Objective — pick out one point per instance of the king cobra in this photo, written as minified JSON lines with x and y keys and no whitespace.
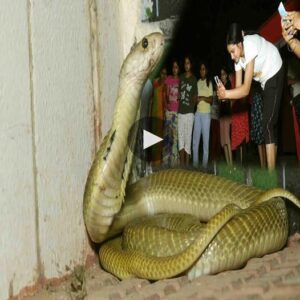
{"x":238,"y":221}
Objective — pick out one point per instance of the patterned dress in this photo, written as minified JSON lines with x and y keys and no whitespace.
{"x":170,"y":150}
{"x":157,"y":113}
{"x":256,"y":131}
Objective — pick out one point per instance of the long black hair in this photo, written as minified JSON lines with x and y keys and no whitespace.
{"x":207,"y":72}
{"x":172,"y":62}
{"x":228,"y":82}
{"x":234,"y":34}
{"x":191,"y":59}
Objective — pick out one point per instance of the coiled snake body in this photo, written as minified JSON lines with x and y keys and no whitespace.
{"x":241,"y":221}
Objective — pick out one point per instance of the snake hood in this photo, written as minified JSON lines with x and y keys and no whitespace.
{"x":142,"y":58}
{"x":106,"y":182}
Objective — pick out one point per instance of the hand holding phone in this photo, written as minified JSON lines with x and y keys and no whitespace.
{"x":221,"y":89}
{"x":286,"y":22}
{"x":217,"y":81}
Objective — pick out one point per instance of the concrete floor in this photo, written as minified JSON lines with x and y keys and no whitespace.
{"x":274,"y":276}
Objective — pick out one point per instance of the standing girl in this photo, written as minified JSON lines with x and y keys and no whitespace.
{"x":158,"y":113}
{"x":170,"y":151}
{"x":187,"y":99}
{"x":261,"y":61}
{"x":202,"y":117}
{"x":225,"y":119}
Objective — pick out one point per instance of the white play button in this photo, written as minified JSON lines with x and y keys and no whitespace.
{"x":150,"y":139}
{"x":145,"y":139}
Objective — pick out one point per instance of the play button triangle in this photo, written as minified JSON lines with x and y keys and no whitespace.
{"x":150,"y":139}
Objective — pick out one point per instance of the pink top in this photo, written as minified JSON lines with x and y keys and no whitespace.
{"x":173,"y":93}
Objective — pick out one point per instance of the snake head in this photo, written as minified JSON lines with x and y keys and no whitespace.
{"x":143,"y":57}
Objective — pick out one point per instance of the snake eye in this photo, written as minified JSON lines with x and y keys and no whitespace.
{"x":145,"y":43}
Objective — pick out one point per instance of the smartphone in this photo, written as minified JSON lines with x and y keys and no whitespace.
{"x":282,"y":11}
{"x":217,"y":80}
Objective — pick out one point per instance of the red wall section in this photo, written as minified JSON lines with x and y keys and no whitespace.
{"x":271,"y":29}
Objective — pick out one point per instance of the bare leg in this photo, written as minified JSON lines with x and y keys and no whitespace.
{"x":241,"y":153}
{"x":187,"y":159}
{"x":262,"y":155}
{"x":182,"y":157}
{"x":271,"y":156}
{"x":229,"y":154}
{"x":226,"y":153}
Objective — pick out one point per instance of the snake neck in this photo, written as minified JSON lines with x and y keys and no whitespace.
{"x":126,"y":114}
{"x":110,"y":171}
{"x":126,"y":109}
{"x":105,"y":186}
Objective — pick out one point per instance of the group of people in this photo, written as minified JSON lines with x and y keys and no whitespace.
{"x":185,"y":103}
{"x":175,"y":99}
{"x":189,"y":107}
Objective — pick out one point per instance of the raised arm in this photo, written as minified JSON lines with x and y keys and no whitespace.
{"x":238,"y":78}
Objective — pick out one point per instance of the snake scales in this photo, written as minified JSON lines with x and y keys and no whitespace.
{"x":241,"y":221}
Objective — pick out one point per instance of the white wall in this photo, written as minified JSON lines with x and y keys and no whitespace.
{"x":63,"y":122}
{"x":46,"y":139}
{"x":18,"y":255}
{"x":47,"y":142}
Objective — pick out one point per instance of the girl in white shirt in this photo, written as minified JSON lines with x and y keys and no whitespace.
{"x":260,"y":61}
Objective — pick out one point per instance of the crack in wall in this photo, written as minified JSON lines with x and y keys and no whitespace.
{"x":40,"y":268}
{"x":94,"y":48}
